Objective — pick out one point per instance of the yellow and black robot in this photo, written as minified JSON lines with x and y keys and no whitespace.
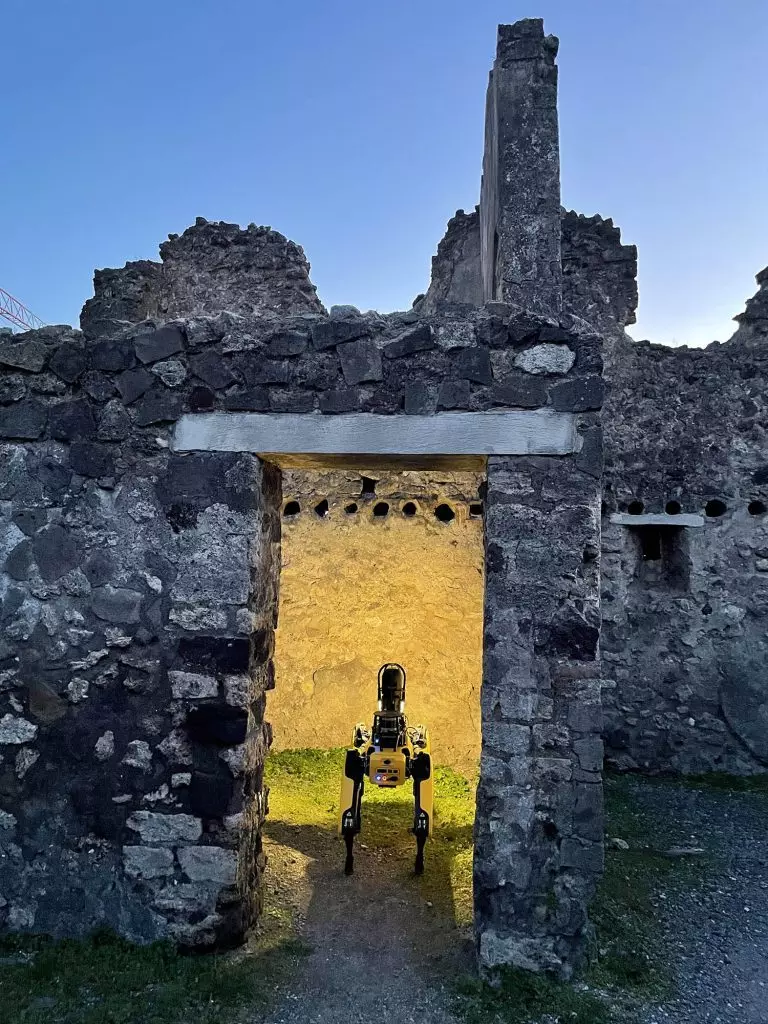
{"x":387,"y":755}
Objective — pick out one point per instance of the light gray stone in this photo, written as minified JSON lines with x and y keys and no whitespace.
{"x":147,"y":861}
{"x":165,"y":829}
{"x":116,"y":604}
{"x":16,"y":730}
{"x":104,"y":747}
{"x":138,"y":755}
{"x":208,"y":864}
{"x":192,"y":686}
{"x":546,"y":358}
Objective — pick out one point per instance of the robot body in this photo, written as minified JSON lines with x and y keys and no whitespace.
{"x":387,"y":755}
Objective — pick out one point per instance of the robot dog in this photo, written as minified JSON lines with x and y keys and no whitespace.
{"x":387,"y":755}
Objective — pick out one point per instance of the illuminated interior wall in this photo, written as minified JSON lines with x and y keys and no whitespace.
{"x":359,"y":588}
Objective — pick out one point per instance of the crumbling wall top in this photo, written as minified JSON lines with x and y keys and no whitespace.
{"x":212,"y":266}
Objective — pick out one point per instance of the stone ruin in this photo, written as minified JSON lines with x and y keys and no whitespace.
{"x":140,"y":531}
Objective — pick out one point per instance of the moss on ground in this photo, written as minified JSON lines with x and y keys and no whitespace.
{"x":105,"y":980}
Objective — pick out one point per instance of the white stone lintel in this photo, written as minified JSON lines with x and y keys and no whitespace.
{"x":656,"y":519}
{"x":514,"y":432}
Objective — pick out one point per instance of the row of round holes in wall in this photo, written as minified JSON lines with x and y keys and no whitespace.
{"x":444,"y":513}
{"x":713,"y":509}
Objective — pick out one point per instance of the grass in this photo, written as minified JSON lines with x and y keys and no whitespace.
{"x":304,"y":793}
{"x":106,"y":980}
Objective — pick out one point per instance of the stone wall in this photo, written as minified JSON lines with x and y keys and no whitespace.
{"x":538,"y":831}
{"x":390,"y":569}
{"x":212,"y":266}
{"x":520,"y":188}
{"x":456,"y":274}
{"x":139,"y":595}
{"x":684,"y":611}
{"x":599,"y":273}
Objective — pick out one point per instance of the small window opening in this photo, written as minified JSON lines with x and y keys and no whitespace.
{"x":292,"y":508}
{"x":673,"y":508}
{"x":650,"y":543}
{"x":715,"y":508}
{"x":368,"y":489}
{"x":351,"y":508}
{"x":476,"y":510}
{"x":380,"y":509}
{"x":663,"y":559}
{"x":444,"y":513}
{"x":409,"y":509}
{"x":635,"y":508}
{"x":756,"y":508}
{"x":322,"y":509}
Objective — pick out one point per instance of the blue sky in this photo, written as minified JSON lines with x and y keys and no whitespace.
{"x":355,"y":128}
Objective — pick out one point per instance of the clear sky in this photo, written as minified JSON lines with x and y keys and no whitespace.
{"x":355,"y":128}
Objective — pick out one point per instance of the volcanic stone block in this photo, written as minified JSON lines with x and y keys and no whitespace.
{"x":158,"y":405}
{"x":248,"y":400}
{"x":287,"y":343}
{"x":19,"y":561}
{"x":23,"y":421}
{"x":360,"y":361}
{"x":91,"y":460}
{"x":217,"y":724}
{"x":546,"y":358}
{"x":99,"y":386}
{"x":210,"y":793}
{"x":522,"y":392}
{"x":165,"y":829}
{"x":55,"y":551}
{"x":147,"y":861}
{"x":453,"y":394}
{"x":114,"y":422}
{"x":116,"y":604}
{"x":30,"y":520}
{"x":419,"y":339}
{"x":420,"y":400}
{"x":578,"y":395}
{"x":133,"y":383}
{"x":212,"y":370}
{"x":208,"y":864}
{"x":153,"y":346}
{"x":224,"y":654}
{"x":112,"y":356}
{"x":24,"y":355}
{"x":72,"y":421}
{"x":345,"y":400}
{"x":473,"y":364}
{"x":69,"y":362}
{"x":192,"y":686}
{"x":329,"y":333}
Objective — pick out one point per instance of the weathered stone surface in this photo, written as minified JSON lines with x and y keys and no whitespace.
{"x":546,"y":358}
{"x":132,"y":384}
{"x":330,"y":333}
{"x":15,"y":730}
{"x":55,"y":551}
{"x":208,"y":864}
{"x":578,"y":395}
{"x":72,"y":421}
{"x":25,"y":420}
{"x":147,"y":861}
{"x":165,"y":829}
{"x":418,"y":339}
{"x":360,"y":361}
{"x":152,"y":346}
{"x":192,"y":686}
{"x":24,"y":354}
{"x":116,"y":604}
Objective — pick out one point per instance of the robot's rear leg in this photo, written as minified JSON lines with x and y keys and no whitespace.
{"x":351,"y":804}
{"x":423,"y":798}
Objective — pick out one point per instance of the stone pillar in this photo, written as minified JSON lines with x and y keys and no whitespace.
{"x":539,"y":824}
{"x":520,"y":193}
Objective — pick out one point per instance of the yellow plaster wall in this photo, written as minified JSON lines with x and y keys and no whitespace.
{"x":356,"y":592}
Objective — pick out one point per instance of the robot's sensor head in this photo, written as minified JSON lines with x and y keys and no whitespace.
{"x":391,"y":687}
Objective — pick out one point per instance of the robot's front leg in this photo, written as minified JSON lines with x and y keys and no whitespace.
{"x":423,"y":797}
{"x":350,"y":820}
